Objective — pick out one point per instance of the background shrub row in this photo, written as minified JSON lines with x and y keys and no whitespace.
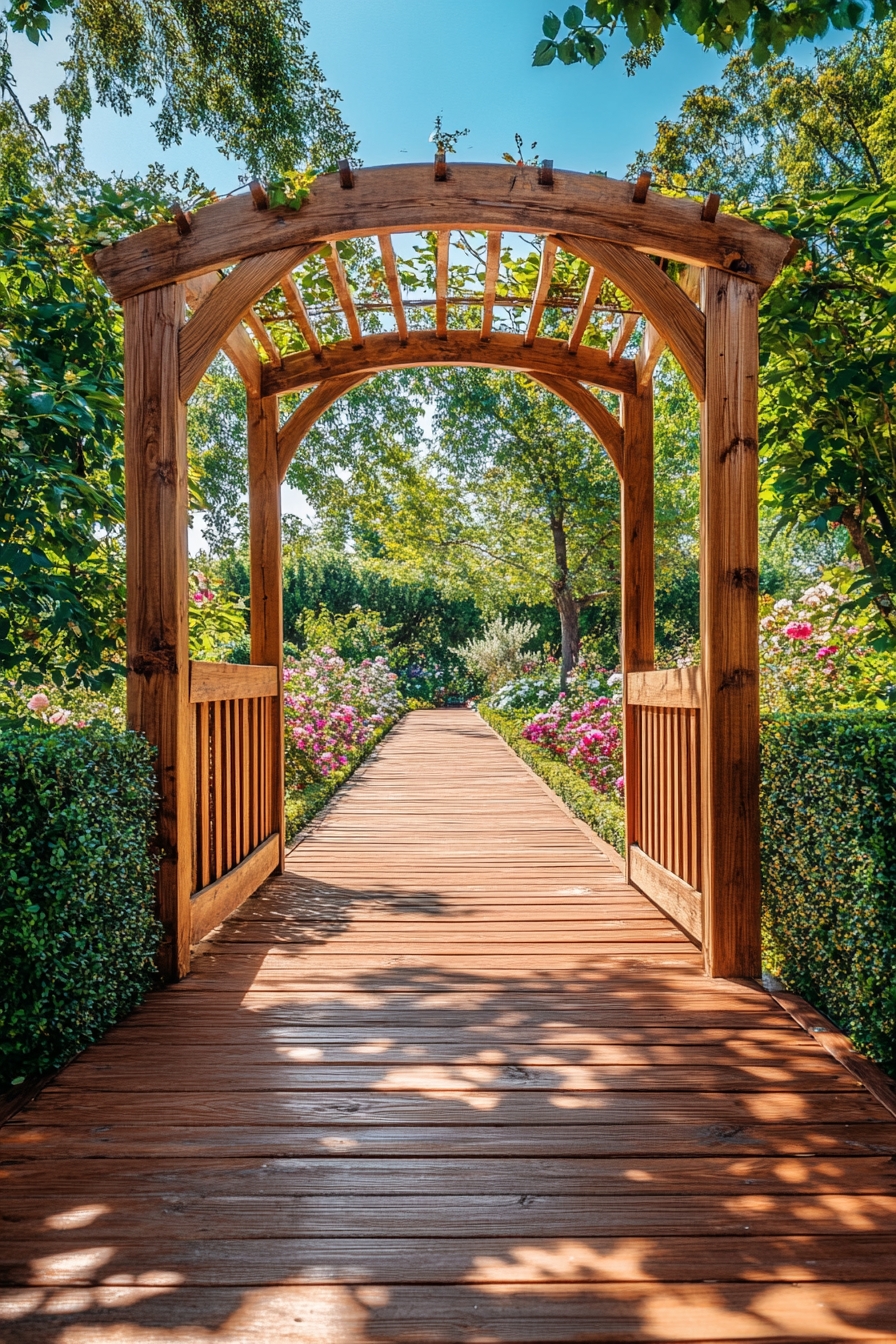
{"x":77,"y":931}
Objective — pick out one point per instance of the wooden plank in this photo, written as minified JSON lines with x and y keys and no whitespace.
{"x":156,"y":508}
{"x":652,"y":346}
{"x":492,"y":266}
{"x":670,"y":893}
{"x":246,"y":780}
{"x":590,"y":296}
{"x":215,"y":902}
{"x":343,"y":294}
{"x":542,"y":287}
{"x":624,"y":333}
{"x":503,"y":350}
{"x":263,"y":337}
{"x":296,"y":305}
{"x":477,"y":196}
{"x":203,"y":790}
{"x":217,"y":717}
{"x":307,"y":414}
{"x":223,"y":310}
{"x":603,"y":425}
{"x":680,"y":322}
{"x":442,"y":251}
{"x":266,"y":591}
{"x":231,"y":681}
{"x":671,"y":687}
{"x":237,"y":346}
{"x":729,"y":598}
{"x":387,"y":252}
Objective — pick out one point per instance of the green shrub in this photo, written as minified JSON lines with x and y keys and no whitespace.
{"x":828,"y":806}
{"x":77,"y":930}
{"x":602,"y":812}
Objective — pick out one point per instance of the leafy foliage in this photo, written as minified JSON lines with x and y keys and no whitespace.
{"x":498,"y":654}
{"x":77,"y":931}
{"x":828,"y":803}
{"x":767,"y":27}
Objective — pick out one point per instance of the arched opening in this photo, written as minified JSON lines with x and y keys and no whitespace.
{"x":691,"y":735}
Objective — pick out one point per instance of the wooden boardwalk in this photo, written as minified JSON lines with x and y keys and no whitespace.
{"x":449,"y":1079}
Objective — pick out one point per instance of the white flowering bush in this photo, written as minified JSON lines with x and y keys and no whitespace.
{"x":814,"y":657}
{"x":499,"y":653}
{"x":331,"y":710}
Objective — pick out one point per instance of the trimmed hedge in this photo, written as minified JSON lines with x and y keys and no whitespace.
{"x":77,"y":929}
{"x":602,"y":812}
{"x":828,"y":807}
{"x":301,"y":807}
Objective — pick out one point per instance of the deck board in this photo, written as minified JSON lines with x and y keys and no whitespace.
{"x":449,"y":1078}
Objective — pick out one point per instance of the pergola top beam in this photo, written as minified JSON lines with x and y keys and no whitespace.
{"x":476,"y":196}
{"x":542,"y":287}
{"x":492,"y":265}
{"x":344,"y":295}
{"x":299,"y":312}
{"x":590,"y":296}
{"x":387,"y":252}
{"x":443,"y":248}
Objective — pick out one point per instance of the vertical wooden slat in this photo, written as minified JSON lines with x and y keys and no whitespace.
{"x":266,"y":588}
{"x":217,"y":788}
{"x":245,"y":763}
{"x":729,"y":587}
{"x":637,"y":565}
{"x":156,"y":503}
{"x":204,"y":786}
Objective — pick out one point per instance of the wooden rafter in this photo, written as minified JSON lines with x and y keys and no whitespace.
{"x":299,"y":312}
{"x":306,"y":415}
{"x":263,"y":337}
{"x":387,"y":252}
{"x":542,"y":286}
{"x":505,"y":350}
{"x":680,"y":322}
{"x":623,"y":335}
{"x":237,"y":347}
{"x":203,"y":336}
{"x":344,"y":295}
{"x":492,"y":265}
{"x":444,"y":246}
{"x":590,"y":296}
{"x":602,"y":424}
{"x":652,"y":346}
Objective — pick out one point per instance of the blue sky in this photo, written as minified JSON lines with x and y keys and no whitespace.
{"x":399,"y":62}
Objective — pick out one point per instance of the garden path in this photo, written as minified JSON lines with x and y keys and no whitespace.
{"x":449,"y":1078}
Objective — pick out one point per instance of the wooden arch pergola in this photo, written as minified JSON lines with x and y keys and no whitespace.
{"x":692,"y":735}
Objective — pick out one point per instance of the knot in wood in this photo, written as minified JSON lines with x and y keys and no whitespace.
{"x":161,"y":659}
{"x":737,"y":679}
{"x":166,"y":471}
{"x":749,"y":445}
{"x":745,"y":578}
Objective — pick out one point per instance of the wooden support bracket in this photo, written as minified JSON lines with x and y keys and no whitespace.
{"x":711,"y":207}
{"x":346,"y":176}
{"x":546,"y":173}
{"x":440,"y":172}
{"x":259,"y":195}
{"x":642,"y":186}
{"x":182,"y":218}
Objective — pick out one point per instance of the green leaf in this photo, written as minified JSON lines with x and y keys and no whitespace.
{"x":544,"y":54}
{"x":550,"y":26}
{"x":573,"y":17}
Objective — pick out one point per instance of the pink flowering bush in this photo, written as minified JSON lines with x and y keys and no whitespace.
{"x":587,"y":737}
{"x":331,"y":710}
{"x":813,"y":655}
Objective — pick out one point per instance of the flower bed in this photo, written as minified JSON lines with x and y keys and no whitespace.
{"x":334,"y":716}
{"x":587,"y":738}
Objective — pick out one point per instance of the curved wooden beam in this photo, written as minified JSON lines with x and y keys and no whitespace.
{"x":594,"y":413}
{"x":503,"y":350}
{"x":680,"y":322}
{"x":401,"y":199}
{"x":237,"y":347}
{"x":202,"y":337}
{"x":305,"y":416}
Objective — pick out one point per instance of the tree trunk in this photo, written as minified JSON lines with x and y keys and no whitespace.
{"x":568,"y":609}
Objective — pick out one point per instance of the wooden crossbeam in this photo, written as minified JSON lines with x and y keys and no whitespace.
{"x":387,"y":252}
{"x":299,"y":312}
{"x":263,"y":337}
{"x":647,"y":357}
{"x":237,"y":347}
{"x":590,"y":296}
{"x":442,"y":284}
{"x":623,"y":336}
{"x":542,"y":285}
{"x":344,"y":295}
{"x":492,"y":264}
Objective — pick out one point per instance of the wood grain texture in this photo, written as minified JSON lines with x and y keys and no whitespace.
{"x":679,"y":322}
{"x":220,"y":898}
{"x":503,"y":350}
{"x":307,"y":414}
{"x":266,"y":593}
{"x":156,"y":508}
{"x":670,"y":688}
{"x":590,"y":296}
{"x":231,"y":681}
{"x":443,"y":248}
{"x":668,"y":891}
{"x":624,"y":333}
{"x":296,"y":305}
{"x":344,"y":1125}
{"x":393,"y":284}
{"x":404,"y":199}
{"x":345,"y":299}
{"x":492,"y":266}
{"x":729,"y":616}
{"x":237,"y":346}
{"x":540,"y":293}
{"x":223,"y":310}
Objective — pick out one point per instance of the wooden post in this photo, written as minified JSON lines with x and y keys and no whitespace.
{"x":156,"y":501}
{"x":266,"y":578}
{"x":638,"y":614}
{"x":729,"y":585}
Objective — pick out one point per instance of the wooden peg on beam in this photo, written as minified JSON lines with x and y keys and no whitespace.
{"x":182,"y":218}
{"x":441,"y":168}
{"x":546,"y":173}
{"x":259,"y":195}
{"x":711,"y":207}
{"x":642,"y":186}
{"x":346,"y":177}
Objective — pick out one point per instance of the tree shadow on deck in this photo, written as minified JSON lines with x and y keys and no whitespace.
{"x":405,"y":1149}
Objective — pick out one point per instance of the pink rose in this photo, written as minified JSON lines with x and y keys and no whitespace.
{"x":38,"y":702}
{"x":798,"y":630}
{"x":828,"y":651}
